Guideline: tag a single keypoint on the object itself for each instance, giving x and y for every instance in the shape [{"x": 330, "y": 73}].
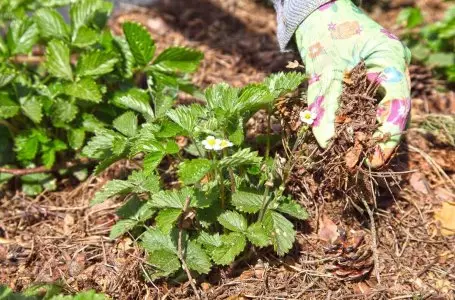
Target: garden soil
[{"x": 58, "y": 236}]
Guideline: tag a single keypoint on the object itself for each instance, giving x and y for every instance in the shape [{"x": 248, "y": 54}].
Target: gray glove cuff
[{"x": 290, "y": 14}]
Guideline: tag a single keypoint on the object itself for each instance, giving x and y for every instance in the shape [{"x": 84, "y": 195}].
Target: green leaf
[
  {"x": 257, "y": 235},
  {"x": 179, "y": 59},
  {"x": 154, "y": 239},
  {"x": 32, "y": 189},
  {"x": 42, "y": 289},
  {"x": 127, "y": 62},
  {"x": 172, "y": 147},
  {"x": 136, "y": 209},
  {"x": 283, "y": 83},
  {"x": 111, "y": 189},
  {"x": 51, "y": 24},
  {"x": 6, "y": 75},
  {"x": 8, "y": 108},
  {"x": 236, "y": 132},
  {"x": 126, "y": 123},
  {"x": 240, "y": 158},
  {"x": 85, "y": 89},
  {"x": 95, "y": 63},
  {"x": 49, "y": 150},
  {"x": 141, "y": 44},
  {"x": 119, "y": 145},
  {"x": 163, "y": 103},
  {"x": 166, "y": 219},
  {"x": 191, "y": 171},
  {"x": 207, "y": 239},
  {"x": 232, "y": 245},
  {"x": 441, "y": 59},
  {"x": 292, "y": 208},
  {"x": 91, "y": 123},
  {"x": 58, "y": 60},
  {"x": 145, "y": 213},
  {"x": 82, "y": 12},
  {"x": 100, "y": 145},
  {"x": 410, "y": 17},
  {"x": 89, "y": 295},
  {"x": 253, "y": 97},
  {"x": 33, "y": 184},
  {"x": 152, "y": 160},
  {"x": 165, "y": 261},
  {"x": 31, "y": 107},
  {"x": 162, "y": 82},
  {"x": 420, "y": 52},
  {"x": 63, "y": 112},
  {"x": 121, "y": 227},
  {"x": 233, "y": 221},
  {"x": 222, "y": 97},
  {"x": 130, "y": 208},
  {"x": 168, "y": 129},
  {"x": 197, "y": 259},
  {"x": 22, "y": 35},
  {"x": 187, "y": 116},
  {"x": 171, "y": 198},
  {"x": 6, "y": 293},
  {"x": 280, "y": 231},
  {"x": 26, "y": 146},
  {"x": 247, "y": 201},
  {"x": 85, "y": 37},
  {"x": 135, "y": 99}
]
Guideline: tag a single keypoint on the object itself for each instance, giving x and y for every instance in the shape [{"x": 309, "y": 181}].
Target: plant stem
[
  {"x": 222, "y": 188},
  {"x": 12, "y": 130},
  {"x": 265, "y": 202},
  {"x": 195, "y": 145},
  {"x": 231, "y": 174},
  {"x": 269, "y": 126},
  {"x": 180, "y": 250}
]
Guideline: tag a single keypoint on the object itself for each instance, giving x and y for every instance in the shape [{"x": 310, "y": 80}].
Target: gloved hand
[{"x": 334, "y": 39}]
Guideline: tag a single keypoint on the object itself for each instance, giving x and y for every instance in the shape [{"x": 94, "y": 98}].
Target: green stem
[
  {"x": 222, "y": 187},
  {"x": 12, "y": 130},
  {"x": 231, "y": 174},
  {"x": 195, "y": 145},
  {"x": 265, "y": 202},
  {"x": 269, "y": 126}
]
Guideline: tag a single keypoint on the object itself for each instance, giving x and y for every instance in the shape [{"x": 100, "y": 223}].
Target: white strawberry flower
[
  {"x": 307, "y": 116},
  {"x": 210, "y": 142},
  {"x": 225, "y": 144}
]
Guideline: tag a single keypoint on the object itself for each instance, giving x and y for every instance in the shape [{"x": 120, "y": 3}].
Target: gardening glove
[{"x": 334, "y": 39}]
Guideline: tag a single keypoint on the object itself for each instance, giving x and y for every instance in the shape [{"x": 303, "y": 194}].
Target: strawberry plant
[
  {"x": 47, "y": 292},
  {"x": 229, "y": 196},
  {"x": 431, "y": 44},
  {"x": 60, "y": 83}
]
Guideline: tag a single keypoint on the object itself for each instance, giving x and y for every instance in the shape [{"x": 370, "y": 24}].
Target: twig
[
  {"x": 180, "y": 249},
  {"x": 27, "y": 59},
  {"x": 43, "y": 169},
  {"x": 439, "y": 171},
  {"x": 374, "y": 242}
]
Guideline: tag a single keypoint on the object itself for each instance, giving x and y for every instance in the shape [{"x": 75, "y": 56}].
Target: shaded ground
[{"x": 56, "y": 236}]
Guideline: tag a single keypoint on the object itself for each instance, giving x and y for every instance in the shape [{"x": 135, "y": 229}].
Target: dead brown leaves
[{"x": 446, "y": 217}]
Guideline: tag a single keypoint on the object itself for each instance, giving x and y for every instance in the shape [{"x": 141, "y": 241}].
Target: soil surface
[{"x": 58, "y": 237}]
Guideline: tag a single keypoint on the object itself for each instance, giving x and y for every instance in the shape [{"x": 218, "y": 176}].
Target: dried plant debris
[
  {"x": 338, "y": 172},
  {"x": 288, "y": 110}
]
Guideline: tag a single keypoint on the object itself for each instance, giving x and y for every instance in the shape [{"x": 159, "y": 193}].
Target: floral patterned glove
[{"x": 333, "y": 40}]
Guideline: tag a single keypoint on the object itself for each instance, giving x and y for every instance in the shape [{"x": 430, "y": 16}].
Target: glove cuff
[{"x": 290, "y": 14}]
